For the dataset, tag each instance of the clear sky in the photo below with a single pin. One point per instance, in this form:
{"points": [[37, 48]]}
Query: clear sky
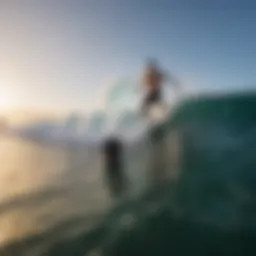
{"points": [[60, 55]]}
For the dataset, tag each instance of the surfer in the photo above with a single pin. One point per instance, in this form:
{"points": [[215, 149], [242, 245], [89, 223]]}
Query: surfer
{"points": [[153, 79]]}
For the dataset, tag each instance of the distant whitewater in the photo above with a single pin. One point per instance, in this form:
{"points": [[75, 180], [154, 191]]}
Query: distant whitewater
{"points": [[120, 117], [129, 127]]}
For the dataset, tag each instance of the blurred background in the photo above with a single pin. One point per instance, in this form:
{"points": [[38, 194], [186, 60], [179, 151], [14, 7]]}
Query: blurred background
{"points": [[69, 72]]}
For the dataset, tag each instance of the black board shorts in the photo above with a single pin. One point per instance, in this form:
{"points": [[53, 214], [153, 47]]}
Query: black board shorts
{"points": [[112, 149], [152, 97]]}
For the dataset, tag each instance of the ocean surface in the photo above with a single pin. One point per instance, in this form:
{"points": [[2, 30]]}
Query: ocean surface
{"points": [[54, 200], [45, 187]]}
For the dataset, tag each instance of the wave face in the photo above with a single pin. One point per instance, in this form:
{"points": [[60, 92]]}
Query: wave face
{"points": [[211, 204]]}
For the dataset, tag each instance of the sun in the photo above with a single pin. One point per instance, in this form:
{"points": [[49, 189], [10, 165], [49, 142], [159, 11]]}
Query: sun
{"points": [[7, 99]]}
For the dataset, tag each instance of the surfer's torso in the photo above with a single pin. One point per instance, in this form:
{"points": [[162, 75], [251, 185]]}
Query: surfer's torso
{"points": [[153, 80]]}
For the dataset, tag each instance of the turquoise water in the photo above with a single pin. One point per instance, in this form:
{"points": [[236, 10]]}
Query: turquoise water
{"points": [[206, 206]]}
